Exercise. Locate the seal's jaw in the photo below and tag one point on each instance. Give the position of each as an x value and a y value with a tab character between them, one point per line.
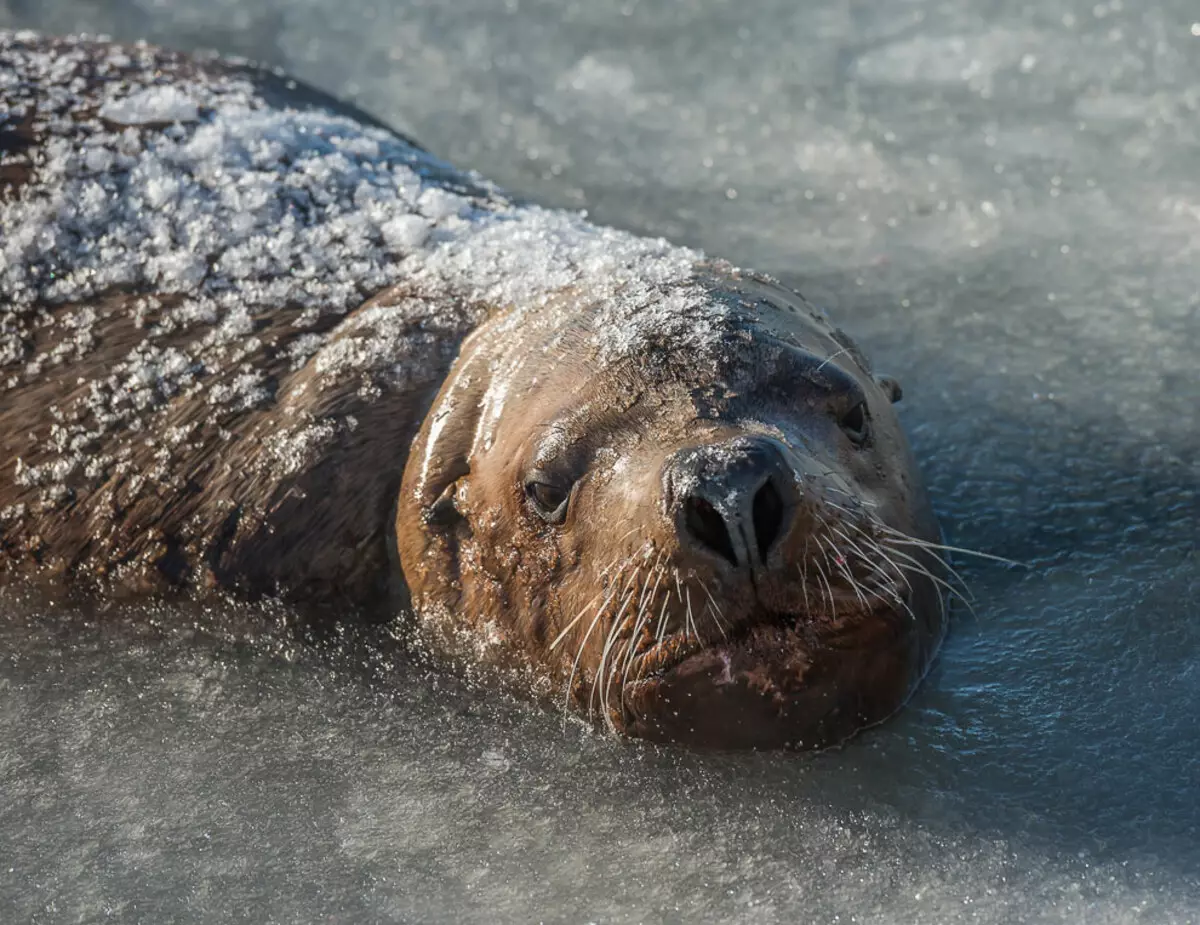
774	687
778	679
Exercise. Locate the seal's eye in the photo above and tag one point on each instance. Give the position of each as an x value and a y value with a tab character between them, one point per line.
856	424
548	500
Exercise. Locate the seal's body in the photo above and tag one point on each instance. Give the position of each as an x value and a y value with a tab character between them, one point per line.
250	340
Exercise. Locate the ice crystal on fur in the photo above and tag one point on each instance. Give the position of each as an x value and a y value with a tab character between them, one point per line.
233	219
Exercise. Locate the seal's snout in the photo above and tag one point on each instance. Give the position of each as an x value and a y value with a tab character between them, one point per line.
733	500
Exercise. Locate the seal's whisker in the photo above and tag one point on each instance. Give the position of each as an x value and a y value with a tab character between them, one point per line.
921	569
645	611
912	616
833	356
628	592
570	626
622	648
843	564
646	588
873	544
853	518
887	580
916	565
624	560
828	587
830	552
618	621
612	595
825	574
661	632
606	683
966	589
863	557
839	560
883	554
804	590
629	533
901	573
905	539
643	616
717	614
614	635
804	576
583	644
624	658
862	502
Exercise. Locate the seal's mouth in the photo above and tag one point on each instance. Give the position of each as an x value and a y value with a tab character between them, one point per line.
775	679
798	627
680	646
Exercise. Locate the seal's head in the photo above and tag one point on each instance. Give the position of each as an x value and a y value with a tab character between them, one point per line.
699	515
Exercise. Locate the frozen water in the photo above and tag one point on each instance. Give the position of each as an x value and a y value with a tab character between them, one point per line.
1000	199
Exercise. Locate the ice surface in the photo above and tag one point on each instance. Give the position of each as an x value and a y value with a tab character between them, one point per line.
1000	200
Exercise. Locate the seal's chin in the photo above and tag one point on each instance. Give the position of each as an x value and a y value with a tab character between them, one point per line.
775	684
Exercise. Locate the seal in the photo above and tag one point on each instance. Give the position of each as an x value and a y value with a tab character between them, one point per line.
253	342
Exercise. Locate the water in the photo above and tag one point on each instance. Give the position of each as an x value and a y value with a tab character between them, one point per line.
999	199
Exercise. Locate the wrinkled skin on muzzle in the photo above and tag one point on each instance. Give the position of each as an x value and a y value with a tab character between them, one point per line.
719	539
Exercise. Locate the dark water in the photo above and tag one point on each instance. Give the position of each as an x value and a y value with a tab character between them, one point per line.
1001	200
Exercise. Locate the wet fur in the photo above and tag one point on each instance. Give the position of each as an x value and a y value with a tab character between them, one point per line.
216	519
624	621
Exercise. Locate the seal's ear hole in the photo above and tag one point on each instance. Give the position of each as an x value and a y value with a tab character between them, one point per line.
444	511
891	388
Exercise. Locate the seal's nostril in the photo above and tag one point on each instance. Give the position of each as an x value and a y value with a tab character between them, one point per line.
734	500
767	514
707	527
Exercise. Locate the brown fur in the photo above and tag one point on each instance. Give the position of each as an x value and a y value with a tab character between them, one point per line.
213	518
195	495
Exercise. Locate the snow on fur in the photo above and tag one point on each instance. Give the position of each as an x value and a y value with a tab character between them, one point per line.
221	211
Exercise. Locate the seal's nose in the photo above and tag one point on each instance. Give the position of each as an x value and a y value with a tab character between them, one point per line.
734	499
